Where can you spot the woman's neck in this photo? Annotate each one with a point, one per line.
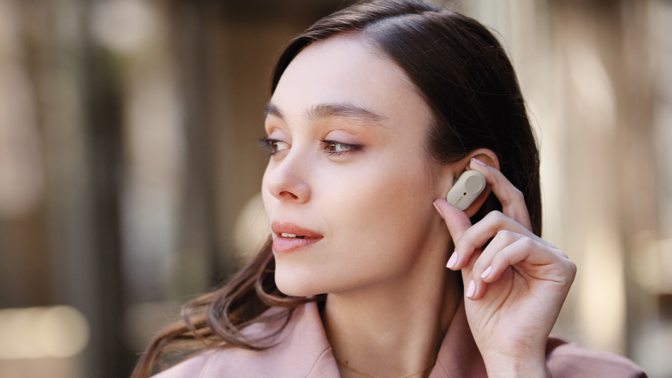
(396, 327)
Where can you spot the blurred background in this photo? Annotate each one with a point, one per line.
(129, 172)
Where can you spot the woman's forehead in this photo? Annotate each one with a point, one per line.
(346, 70)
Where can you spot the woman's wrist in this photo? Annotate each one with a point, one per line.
(500, 366)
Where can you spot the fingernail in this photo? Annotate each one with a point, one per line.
(479, 162)
(452, 260)
(471, 290)
(437, 209)
(487, 272)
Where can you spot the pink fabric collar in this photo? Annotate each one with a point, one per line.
(305, 342)
(303, 351)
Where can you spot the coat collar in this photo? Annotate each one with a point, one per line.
(304, 351)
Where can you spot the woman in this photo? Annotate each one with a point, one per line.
(375, 111)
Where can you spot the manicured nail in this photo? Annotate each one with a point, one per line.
(452, 261)
(471, 290)
(487, 272)
(479, 162)
(437, 209)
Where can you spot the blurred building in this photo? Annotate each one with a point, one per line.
(129, 173)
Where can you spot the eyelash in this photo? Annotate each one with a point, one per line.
(268, 143)
(349, 147)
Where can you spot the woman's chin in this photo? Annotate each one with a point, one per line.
(296, 284)
(302, 283)
(295, 288)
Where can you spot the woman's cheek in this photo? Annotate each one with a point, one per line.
(378, 215)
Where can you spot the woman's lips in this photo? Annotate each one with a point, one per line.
(288, 244)
(281, 244)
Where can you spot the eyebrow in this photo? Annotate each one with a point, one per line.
(338, 110)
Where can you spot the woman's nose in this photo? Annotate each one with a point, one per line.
(287, 181)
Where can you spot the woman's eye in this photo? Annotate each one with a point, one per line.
(273, 145)
(278, 145)
(336, 148)
(331, 147)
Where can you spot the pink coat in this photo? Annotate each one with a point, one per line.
(303, 351)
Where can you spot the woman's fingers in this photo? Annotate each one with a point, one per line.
(533, 259)
(481, 263)
(512, 199)
(467, 238)
(513, 244)
(488, 227)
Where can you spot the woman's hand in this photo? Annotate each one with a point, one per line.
(515, 287)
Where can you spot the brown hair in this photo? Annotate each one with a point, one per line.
(466, 78)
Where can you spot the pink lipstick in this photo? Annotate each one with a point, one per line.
(290, 237)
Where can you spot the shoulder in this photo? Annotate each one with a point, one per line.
(192, 367)
(568, 359)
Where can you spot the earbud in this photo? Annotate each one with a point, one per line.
(466, 189)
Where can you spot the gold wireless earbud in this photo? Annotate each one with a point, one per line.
(466, 189)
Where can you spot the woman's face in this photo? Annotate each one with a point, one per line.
(348, 171)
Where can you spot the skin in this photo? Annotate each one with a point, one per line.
(384, 244)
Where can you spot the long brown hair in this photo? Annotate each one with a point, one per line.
(465, 77)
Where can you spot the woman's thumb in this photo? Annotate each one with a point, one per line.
(456, 220)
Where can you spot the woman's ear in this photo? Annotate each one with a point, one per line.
(452, 172)
(484, 155)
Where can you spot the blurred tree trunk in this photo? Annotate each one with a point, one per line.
(78, 102)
